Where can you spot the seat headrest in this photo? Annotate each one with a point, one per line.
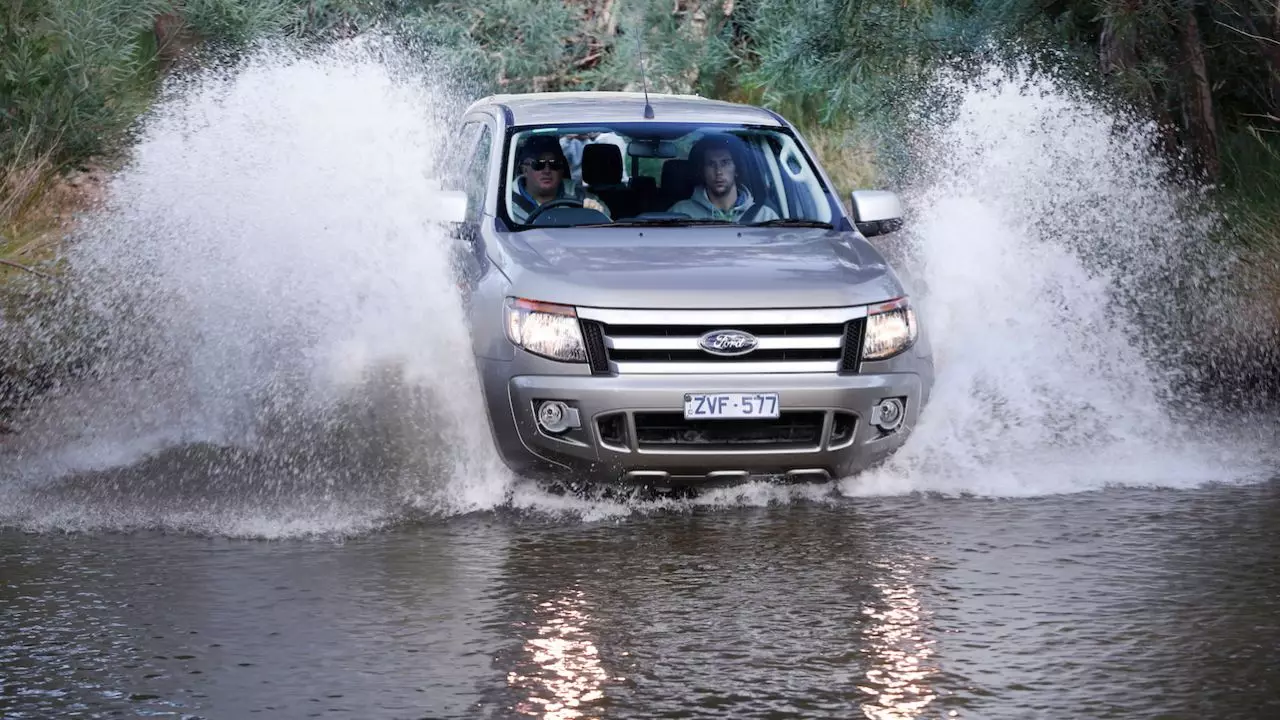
(678, 177)
(643, 184)
(601, 164)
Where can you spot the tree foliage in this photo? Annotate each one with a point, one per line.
(73, 72)
(1202, 67)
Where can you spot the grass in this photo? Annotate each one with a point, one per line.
(1252, 202)
(38, 204)
(29, 216)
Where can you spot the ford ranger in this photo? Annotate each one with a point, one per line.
(666, 291)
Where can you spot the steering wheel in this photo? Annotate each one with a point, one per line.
(561, 202)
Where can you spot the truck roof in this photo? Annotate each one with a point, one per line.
(607, 107)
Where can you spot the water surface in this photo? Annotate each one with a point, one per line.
(1123, 603)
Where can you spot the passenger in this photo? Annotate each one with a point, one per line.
(572, 146)
(719, 196)
(543, 170)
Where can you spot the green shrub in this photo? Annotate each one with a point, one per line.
(72, 74)
(1252, 191)
(689, 51)
(504, 45)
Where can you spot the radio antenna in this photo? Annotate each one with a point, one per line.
(644, 76)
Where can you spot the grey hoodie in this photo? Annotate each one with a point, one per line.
(699, 207)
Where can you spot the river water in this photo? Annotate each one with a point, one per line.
(1120, 604)
(275, 496)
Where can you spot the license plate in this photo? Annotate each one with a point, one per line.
(704, 406)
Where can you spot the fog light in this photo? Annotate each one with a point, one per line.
(888, 414)
(555, 416)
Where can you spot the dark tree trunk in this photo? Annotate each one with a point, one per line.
(1120, 56)
(1118, 41)
(1198, 101)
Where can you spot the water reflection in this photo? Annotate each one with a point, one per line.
(569, 676)
(710, 614)
(898, 679)
(1108, 605)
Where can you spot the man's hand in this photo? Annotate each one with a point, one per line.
(594, 204)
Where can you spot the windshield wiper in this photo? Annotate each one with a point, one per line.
(791, 222)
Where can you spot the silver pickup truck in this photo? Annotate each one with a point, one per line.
(665, 291)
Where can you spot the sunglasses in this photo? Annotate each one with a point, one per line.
(544, 164)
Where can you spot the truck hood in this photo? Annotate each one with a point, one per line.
(696, 267)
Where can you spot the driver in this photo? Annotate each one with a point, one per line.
(719, 196)
(544, 178)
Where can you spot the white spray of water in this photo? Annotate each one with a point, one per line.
(1052, 247)
(268, 278)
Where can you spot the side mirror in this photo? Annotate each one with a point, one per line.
(448, 206)
(876, 212)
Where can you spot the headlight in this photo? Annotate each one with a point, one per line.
(891, 328)
(551, 331)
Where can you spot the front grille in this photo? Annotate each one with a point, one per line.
(667, 341)
(702, 355)
(670, 430)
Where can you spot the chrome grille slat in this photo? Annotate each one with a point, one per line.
(639, 367)
(682, 330)
(666, 342)
(728, 318)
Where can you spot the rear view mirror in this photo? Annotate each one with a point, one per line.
(447, 206)
(876, 212)
(644, 148)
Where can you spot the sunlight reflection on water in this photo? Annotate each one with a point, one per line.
(898, 680)
(570, 676)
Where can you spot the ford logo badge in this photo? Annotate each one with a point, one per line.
(728, 342)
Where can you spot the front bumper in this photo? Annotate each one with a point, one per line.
(840, 440)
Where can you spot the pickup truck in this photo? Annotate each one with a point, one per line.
(665, 291)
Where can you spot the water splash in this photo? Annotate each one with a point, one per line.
(1067, 280)
(279, 322)
(285, 355)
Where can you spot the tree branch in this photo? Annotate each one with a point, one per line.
(1259, 38)
(589, 60)
(33, 271)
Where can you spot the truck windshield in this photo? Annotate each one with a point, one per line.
(660, 174)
